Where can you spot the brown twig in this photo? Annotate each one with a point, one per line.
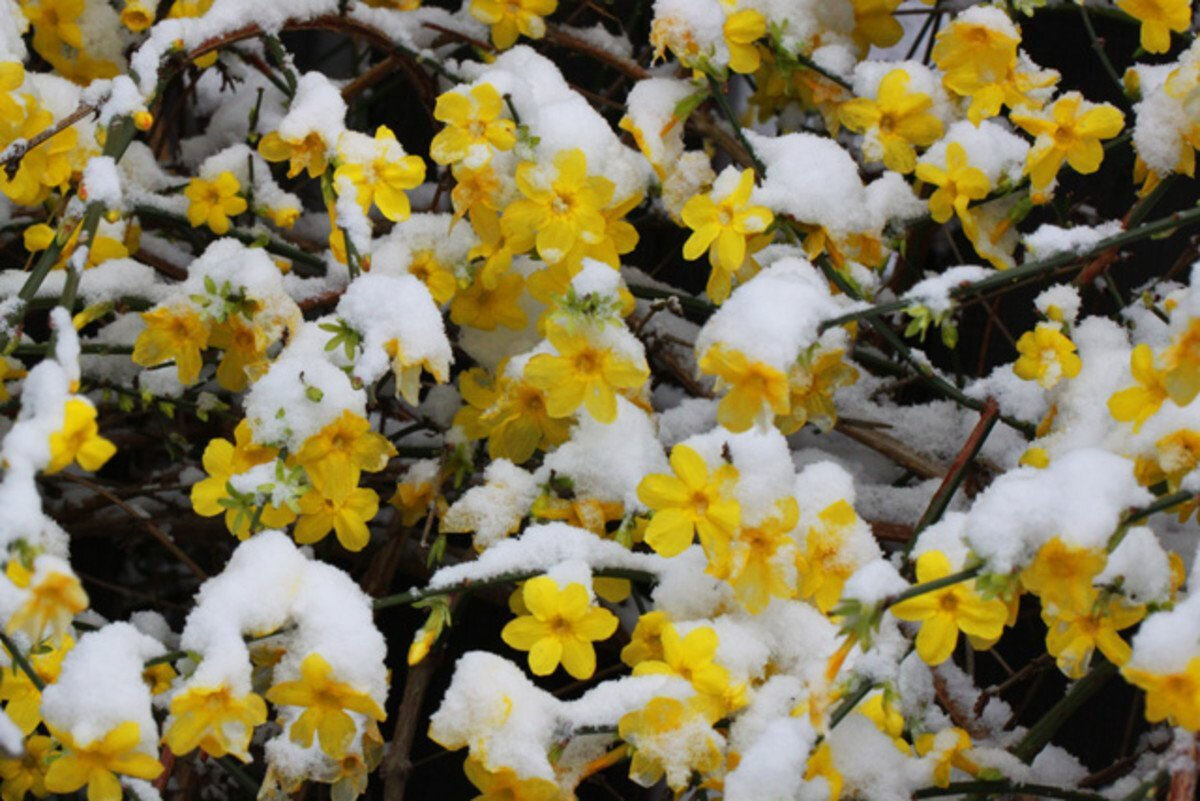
(1185, 751)
(397, 765)
(154, 530)
(889, 446)
(17, 150)
(372, 76)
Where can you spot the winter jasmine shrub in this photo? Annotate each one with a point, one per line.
(582, 354)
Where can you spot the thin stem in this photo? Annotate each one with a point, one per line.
(1138, 515)
(471, 585)
(958, 470)
(727, 111)
(297, 255)
(22, 662)
(1003, 279)
(851, 701)
(937, 584)
(824, 73)
(1007, 789)
(1098, 46)
(1040, 733)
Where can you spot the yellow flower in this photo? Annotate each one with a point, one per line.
(503, 784)
(751, 566)
(79, 439)
(215, 720)
(512, 414)
(894, 122)
(97, 763)
(822, 566)
(554, 214)
(875, 25)
(692, 500)
(383, 180)
(485, 308)
(617, 238)
(407, 372)
(1182, 365)
(755, 390)
(10, 370)
(975, 61)
(1072, 634)
(22, 698)
(586, 513)
(1158, 18)
(1061, 574)
(336, 455)
(1070, 131)
(949, 747)
(300, 154)
(1138, 403)
(213, 202)
(560, 627)
(436, 277)
(325, 700)
(158, 677)
(582, 374)
(1047, 356)
(54, 600)
(509, 18)
(245, 345)
(173, 333)
(412, 501)
(741, 30)
(1174, 697)
(1178, 454)
(880, 708)
(27, 773)
(812, 382)
(346, 513)
(474, 126)
(137, 16)
(645, 643)
(945, 612)
(957, 185)
(691, 658)
(40, 236)
(820, 764)
(47, 166)
(654, 733)
(721, 227)
(222, 460)
(474, 190)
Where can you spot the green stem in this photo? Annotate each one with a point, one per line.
(1041, 732)
(1007, 789)
(847, 705)
(824, 73)
(1005, 279)
(929, 586)
(99, 348)
(1138, 515)
(315, 263)
(471, 585)
(941, 385)
(21, 662)
(723, 103)
(695, 309)
(1098, 46)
